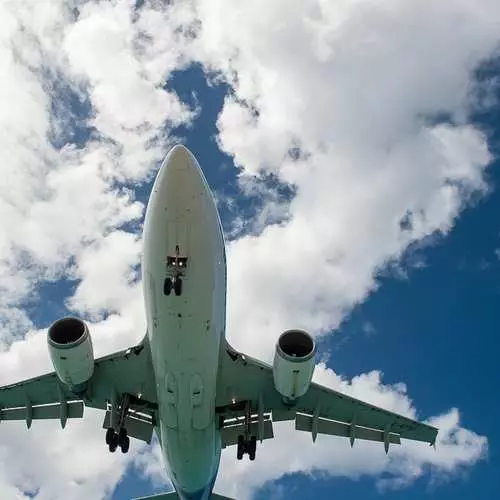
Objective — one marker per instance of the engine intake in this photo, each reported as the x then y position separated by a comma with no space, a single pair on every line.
71,351
294,363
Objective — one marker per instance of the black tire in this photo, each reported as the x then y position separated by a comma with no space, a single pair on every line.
109,435
178,286
122,435
125,444
167,286
241,448
252,448
113,443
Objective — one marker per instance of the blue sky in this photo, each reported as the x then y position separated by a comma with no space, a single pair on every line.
352,150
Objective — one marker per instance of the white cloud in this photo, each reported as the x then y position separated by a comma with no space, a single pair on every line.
69,464
110,260
150,463
354,86
109,50
53,203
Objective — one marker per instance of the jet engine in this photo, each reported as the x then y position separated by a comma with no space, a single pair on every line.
70,348
294,363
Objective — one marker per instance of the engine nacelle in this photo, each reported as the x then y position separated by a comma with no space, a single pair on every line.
70,348
294,363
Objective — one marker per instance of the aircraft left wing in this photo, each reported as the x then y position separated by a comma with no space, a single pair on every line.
46,397
319,411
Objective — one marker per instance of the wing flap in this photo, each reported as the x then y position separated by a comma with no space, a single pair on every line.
73,409
336,406
162,496
283,415
41,390
332,428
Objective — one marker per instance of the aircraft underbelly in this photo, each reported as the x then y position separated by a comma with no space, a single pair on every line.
186,330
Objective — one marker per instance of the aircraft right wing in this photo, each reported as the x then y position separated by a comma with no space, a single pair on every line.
319,411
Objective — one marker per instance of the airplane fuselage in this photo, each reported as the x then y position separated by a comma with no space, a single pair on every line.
185,330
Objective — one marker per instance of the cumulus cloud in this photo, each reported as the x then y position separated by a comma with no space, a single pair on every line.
361,107
110,51
343,102
54,202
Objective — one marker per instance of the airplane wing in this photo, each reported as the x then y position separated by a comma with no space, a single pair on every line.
46,397
319,411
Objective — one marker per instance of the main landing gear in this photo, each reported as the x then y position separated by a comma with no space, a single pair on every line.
113,440
246,442
176,268
117,423
246,446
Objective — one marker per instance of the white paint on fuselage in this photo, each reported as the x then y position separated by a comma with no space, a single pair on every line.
185,331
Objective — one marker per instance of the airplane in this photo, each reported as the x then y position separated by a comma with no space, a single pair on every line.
184,381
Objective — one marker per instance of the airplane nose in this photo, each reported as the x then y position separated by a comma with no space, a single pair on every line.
180,189
181,170
179,158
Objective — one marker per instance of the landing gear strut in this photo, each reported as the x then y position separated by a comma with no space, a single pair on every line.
176,266
246,442
120,438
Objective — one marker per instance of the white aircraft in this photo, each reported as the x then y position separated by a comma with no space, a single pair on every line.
184,380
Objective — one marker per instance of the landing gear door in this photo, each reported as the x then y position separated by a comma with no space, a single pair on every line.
178,238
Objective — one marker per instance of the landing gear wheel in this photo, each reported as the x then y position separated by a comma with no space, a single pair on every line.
252,448
122,435
113,443
123,440
125,444
178,286
241,447
109,435
167,286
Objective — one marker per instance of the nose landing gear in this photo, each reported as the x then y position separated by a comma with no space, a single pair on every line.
176,268
175,284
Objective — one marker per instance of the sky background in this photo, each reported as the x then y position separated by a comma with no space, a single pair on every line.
352,149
